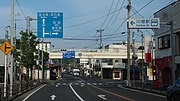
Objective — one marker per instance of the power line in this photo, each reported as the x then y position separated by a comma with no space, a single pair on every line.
108,13
91,20
131,16
21,9
113,15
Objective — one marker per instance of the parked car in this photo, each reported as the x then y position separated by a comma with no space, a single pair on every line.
173,92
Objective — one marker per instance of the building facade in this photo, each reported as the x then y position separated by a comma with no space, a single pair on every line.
167,40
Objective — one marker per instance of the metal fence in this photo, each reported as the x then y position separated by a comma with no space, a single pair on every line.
18,89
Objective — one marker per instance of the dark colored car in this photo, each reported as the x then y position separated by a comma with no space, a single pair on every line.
173,92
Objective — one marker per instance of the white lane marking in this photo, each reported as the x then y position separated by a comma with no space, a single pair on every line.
64,84
58,83
33,92
100,84
88,83
102,96
144,92
76,83
76,93
53,97
94,84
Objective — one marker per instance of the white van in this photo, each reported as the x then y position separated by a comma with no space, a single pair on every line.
76,72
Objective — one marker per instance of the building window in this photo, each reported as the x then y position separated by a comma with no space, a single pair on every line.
164,42
116,74
160,44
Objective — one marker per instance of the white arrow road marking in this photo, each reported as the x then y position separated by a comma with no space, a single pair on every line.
76,93
57,85
82,85
102,96
53,97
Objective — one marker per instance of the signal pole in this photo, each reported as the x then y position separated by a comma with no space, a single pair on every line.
12,43
128,45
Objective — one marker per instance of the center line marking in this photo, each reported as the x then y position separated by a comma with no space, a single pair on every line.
126,98
76,93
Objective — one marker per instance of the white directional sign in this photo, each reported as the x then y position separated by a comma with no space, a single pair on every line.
144,23
50,24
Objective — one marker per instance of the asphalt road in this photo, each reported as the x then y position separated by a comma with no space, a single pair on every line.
84,89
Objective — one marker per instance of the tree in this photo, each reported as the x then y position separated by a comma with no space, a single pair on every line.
27,47
26,53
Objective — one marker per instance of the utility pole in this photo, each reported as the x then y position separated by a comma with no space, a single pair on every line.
42,62
128,45
172,40
101,45
15,25
142,61
38,57
100,30
28,32
12,43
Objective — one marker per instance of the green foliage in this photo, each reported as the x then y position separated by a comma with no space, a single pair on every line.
26,47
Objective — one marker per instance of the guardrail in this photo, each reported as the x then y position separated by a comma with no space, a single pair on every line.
18,89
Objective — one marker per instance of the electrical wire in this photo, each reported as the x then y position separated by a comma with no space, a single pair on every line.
108,13
75,25
131,16
21,9
113,15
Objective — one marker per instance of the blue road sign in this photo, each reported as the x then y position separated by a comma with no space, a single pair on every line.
50,25
69,54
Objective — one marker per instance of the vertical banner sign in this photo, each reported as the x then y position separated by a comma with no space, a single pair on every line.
147,48
50,25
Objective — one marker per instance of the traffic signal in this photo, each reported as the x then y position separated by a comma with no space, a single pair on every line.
63,50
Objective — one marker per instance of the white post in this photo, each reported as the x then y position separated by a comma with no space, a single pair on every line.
5,76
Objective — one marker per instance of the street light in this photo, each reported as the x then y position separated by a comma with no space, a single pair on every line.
142,57
133,58
100,30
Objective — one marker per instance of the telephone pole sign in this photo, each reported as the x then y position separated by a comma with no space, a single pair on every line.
6,47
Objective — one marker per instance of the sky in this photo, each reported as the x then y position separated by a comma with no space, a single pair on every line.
82,19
